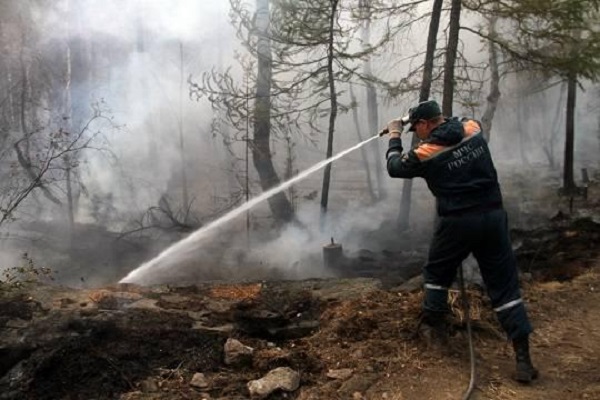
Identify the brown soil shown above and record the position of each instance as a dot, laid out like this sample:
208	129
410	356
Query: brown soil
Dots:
369	336
129	342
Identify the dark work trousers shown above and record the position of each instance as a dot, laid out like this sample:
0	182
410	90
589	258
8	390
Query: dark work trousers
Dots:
486	235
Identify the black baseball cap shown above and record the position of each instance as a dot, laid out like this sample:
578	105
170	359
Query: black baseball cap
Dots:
425	110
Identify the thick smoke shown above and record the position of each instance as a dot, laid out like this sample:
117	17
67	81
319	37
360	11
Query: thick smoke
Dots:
143	52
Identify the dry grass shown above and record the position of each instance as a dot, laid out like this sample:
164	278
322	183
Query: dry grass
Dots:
236	292
475	305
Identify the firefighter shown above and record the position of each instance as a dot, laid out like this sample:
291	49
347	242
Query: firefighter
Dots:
455	161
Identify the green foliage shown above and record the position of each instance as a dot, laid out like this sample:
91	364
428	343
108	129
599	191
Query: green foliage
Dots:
560	37
26	273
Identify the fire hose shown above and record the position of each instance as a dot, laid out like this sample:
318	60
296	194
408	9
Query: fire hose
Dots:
466	310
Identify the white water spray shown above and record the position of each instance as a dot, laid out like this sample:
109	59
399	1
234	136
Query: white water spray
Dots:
188	243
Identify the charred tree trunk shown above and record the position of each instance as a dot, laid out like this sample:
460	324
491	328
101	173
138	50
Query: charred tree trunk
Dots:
434	25
332	112
261	147
568	174
494	95
451	52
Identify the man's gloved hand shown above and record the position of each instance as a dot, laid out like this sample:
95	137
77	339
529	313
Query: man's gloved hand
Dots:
394	128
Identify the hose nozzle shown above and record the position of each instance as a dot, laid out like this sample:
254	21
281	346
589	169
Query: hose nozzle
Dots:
403	122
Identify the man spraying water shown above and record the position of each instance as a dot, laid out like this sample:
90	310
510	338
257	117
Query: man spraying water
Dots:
454	159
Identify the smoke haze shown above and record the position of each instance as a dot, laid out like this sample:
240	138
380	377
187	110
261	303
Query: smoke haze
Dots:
132	60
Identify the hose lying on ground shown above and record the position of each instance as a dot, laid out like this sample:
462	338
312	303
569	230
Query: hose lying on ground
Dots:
463	294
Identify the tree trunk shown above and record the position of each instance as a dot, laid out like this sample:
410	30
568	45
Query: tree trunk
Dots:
522	130
24	90
76	101
141	56
67	118
290	170
434	24
568	175
184	183
23	151
550	142
371	93
332	111
494	95
7	101
261	149
451	52
79	43
373	118
598	137
363	151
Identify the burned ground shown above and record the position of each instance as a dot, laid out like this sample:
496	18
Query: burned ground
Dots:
347	338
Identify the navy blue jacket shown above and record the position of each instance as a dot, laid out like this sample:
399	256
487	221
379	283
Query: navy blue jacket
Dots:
456	163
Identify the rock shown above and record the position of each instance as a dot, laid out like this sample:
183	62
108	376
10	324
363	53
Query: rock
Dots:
283	378
342	374
149	386
199	381
236	353
357	383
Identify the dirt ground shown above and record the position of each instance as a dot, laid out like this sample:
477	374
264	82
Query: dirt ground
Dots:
346	338
126	342
566	348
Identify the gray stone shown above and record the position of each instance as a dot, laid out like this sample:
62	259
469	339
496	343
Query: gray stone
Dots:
199	381
358	383
342	374
282	378
149	386
236	352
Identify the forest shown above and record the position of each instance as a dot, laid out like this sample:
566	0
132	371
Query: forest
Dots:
194	200
126	126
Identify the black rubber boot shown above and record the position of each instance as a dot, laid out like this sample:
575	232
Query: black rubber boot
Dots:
434	328
525	369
